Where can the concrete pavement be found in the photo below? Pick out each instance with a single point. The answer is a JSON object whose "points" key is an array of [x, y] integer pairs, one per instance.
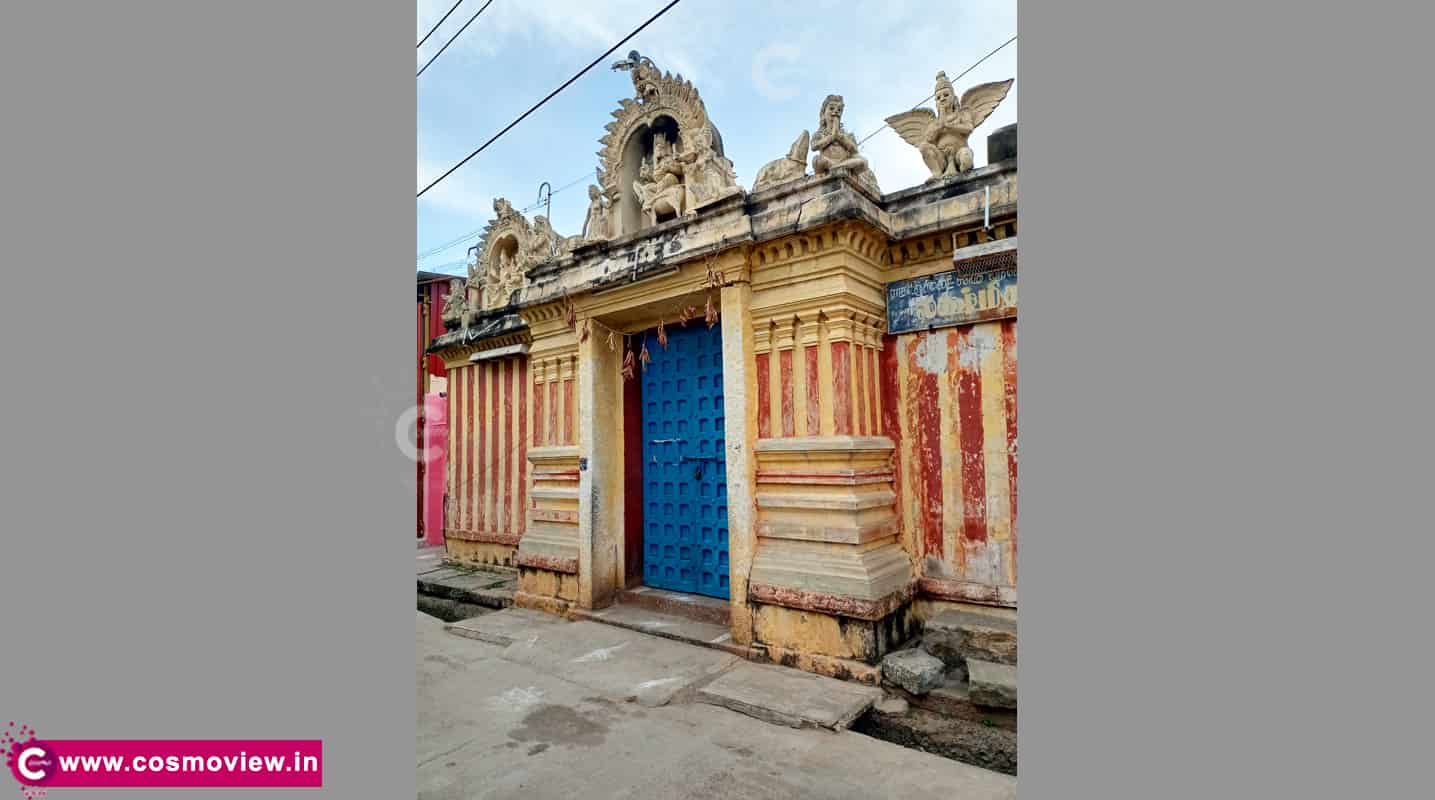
{"points": [[525, 726]]}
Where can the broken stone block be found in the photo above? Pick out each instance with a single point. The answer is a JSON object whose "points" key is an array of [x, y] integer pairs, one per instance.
{"points": [[892, 705], [914, 670], [991, 685], [955, 636]]}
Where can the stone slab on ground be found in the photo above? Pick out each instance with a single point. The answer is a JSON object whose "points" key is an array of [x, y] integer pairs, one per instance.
{"points": [[617, 662], [490, 728], [916, 671], [990, 684], [429, 556], [955, 636], [952, 699], [504, 627], [482, 587], [693, 606], [790, 697], [440, 574], [658, 623]]}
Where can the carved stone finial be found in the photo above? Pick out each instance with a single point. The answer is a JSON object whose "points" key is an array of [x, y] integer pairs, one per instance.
{"points": [[661, 155], [788, 168], [510, 246], [836, 147], [941, 137], [645, 74], [455, 303]]}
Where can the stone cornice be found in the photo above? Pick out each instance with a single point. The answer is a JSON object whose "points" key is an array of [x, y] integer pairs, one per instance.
{"points": [[815, 213]]}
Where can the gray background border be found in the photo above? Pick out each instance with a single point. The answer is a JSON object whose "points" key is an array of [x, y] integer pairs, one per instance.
{"points": [[208, 326], [207, 332]]}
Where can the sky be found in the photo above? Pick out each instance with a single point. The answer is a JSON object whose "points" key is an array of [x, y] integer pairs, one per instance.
{"points": [[762, 69]]}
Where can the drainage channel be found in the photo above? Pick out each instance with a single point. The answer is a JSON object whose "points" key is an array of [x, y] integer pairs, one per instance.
{"points": [[449, 610], [974, 742]]}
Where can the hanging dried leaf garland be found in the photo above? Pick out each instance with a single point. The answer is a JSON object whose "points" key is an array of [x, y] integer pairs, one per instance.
{"points": [[643, 356], [628, 372], [662, 336], [583, 333], [570, 313], [613, 340], [711, 317], [688, 313]]}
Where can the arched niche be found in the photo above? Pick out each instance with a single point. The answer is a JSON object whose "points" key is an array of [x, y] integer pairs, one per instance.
{"points": [[502, 273], [636, 152]]}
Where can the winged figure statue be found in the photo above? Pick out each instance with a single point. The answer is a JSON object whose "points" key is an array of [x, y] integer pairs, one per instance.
{"points": [[942, 136]]}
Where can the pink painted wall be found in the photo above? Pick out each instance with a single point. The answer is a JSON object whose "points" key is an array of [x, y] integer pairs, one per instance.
{"points": [[436, 474]]}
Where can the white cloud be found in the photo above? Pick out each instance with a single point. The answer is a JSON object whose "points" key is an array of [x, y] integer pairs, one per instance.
{"points": [[459, 193], [588, 26], [764, 65]]}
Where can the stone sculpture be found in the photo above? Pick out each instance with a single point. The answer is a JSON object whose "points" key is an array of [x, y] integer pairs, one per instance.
{"points": [[788, 168], [659, 186], [941, 137], [596, 224], [510, 247], [455, 303], [710, 177], [683, 169], [836, 148]]}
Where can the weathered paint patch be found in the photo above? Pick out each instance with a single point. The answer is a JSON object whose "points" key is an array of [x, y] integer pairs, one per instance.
{"points": [[931, 353], [949, 405], [764, 408], [814, 418], [842, 388], [785, 386]]}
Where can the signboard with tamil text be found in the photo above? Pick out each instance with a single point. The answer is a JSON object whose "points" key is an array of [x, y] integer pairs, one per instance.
{"points": [[950, 298]]}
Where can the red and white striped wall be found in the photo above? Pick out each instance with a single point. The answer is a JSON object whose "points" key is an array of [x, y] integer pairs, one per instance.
{"points": [[816, 376], [948, 401], [488, 451]]}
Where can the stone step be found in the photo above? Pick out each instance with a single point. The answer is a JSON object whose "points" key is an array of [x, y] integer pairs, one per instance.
{"points": [[956, 636], [488, 588], [694, 606], [504, 627], [991, 685], [620, 664], [789, 697], [952, 699], [680, 628]]}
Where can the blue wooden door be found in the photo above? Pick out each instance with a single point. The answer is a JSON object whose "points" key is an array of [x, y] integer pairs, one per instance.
{"points": [[684, 464]]}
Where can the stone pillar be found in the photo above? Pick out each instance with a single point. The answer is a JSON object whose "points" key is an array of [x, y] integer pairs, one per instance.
{"points": [[830, 587], [740, 432], [600, 480], [549, 554]]}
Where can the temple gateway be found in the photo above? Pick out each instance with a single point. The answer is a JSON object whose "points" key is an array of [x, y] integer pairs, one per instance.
{"points": [[790, 407]]}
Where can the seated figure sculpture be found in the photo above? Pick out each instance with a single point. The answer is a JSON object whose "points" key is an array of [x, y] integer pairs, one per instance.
{"points": [[941, 136], [659, 186], [836, 148]]}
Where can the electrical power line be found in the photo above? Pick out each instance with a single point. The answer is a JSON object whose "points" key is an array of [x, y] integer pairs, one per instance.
{"points": [[471, 235], [455, 36], [550, 96], [474, 234], [436, 24], [934, 94]]}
